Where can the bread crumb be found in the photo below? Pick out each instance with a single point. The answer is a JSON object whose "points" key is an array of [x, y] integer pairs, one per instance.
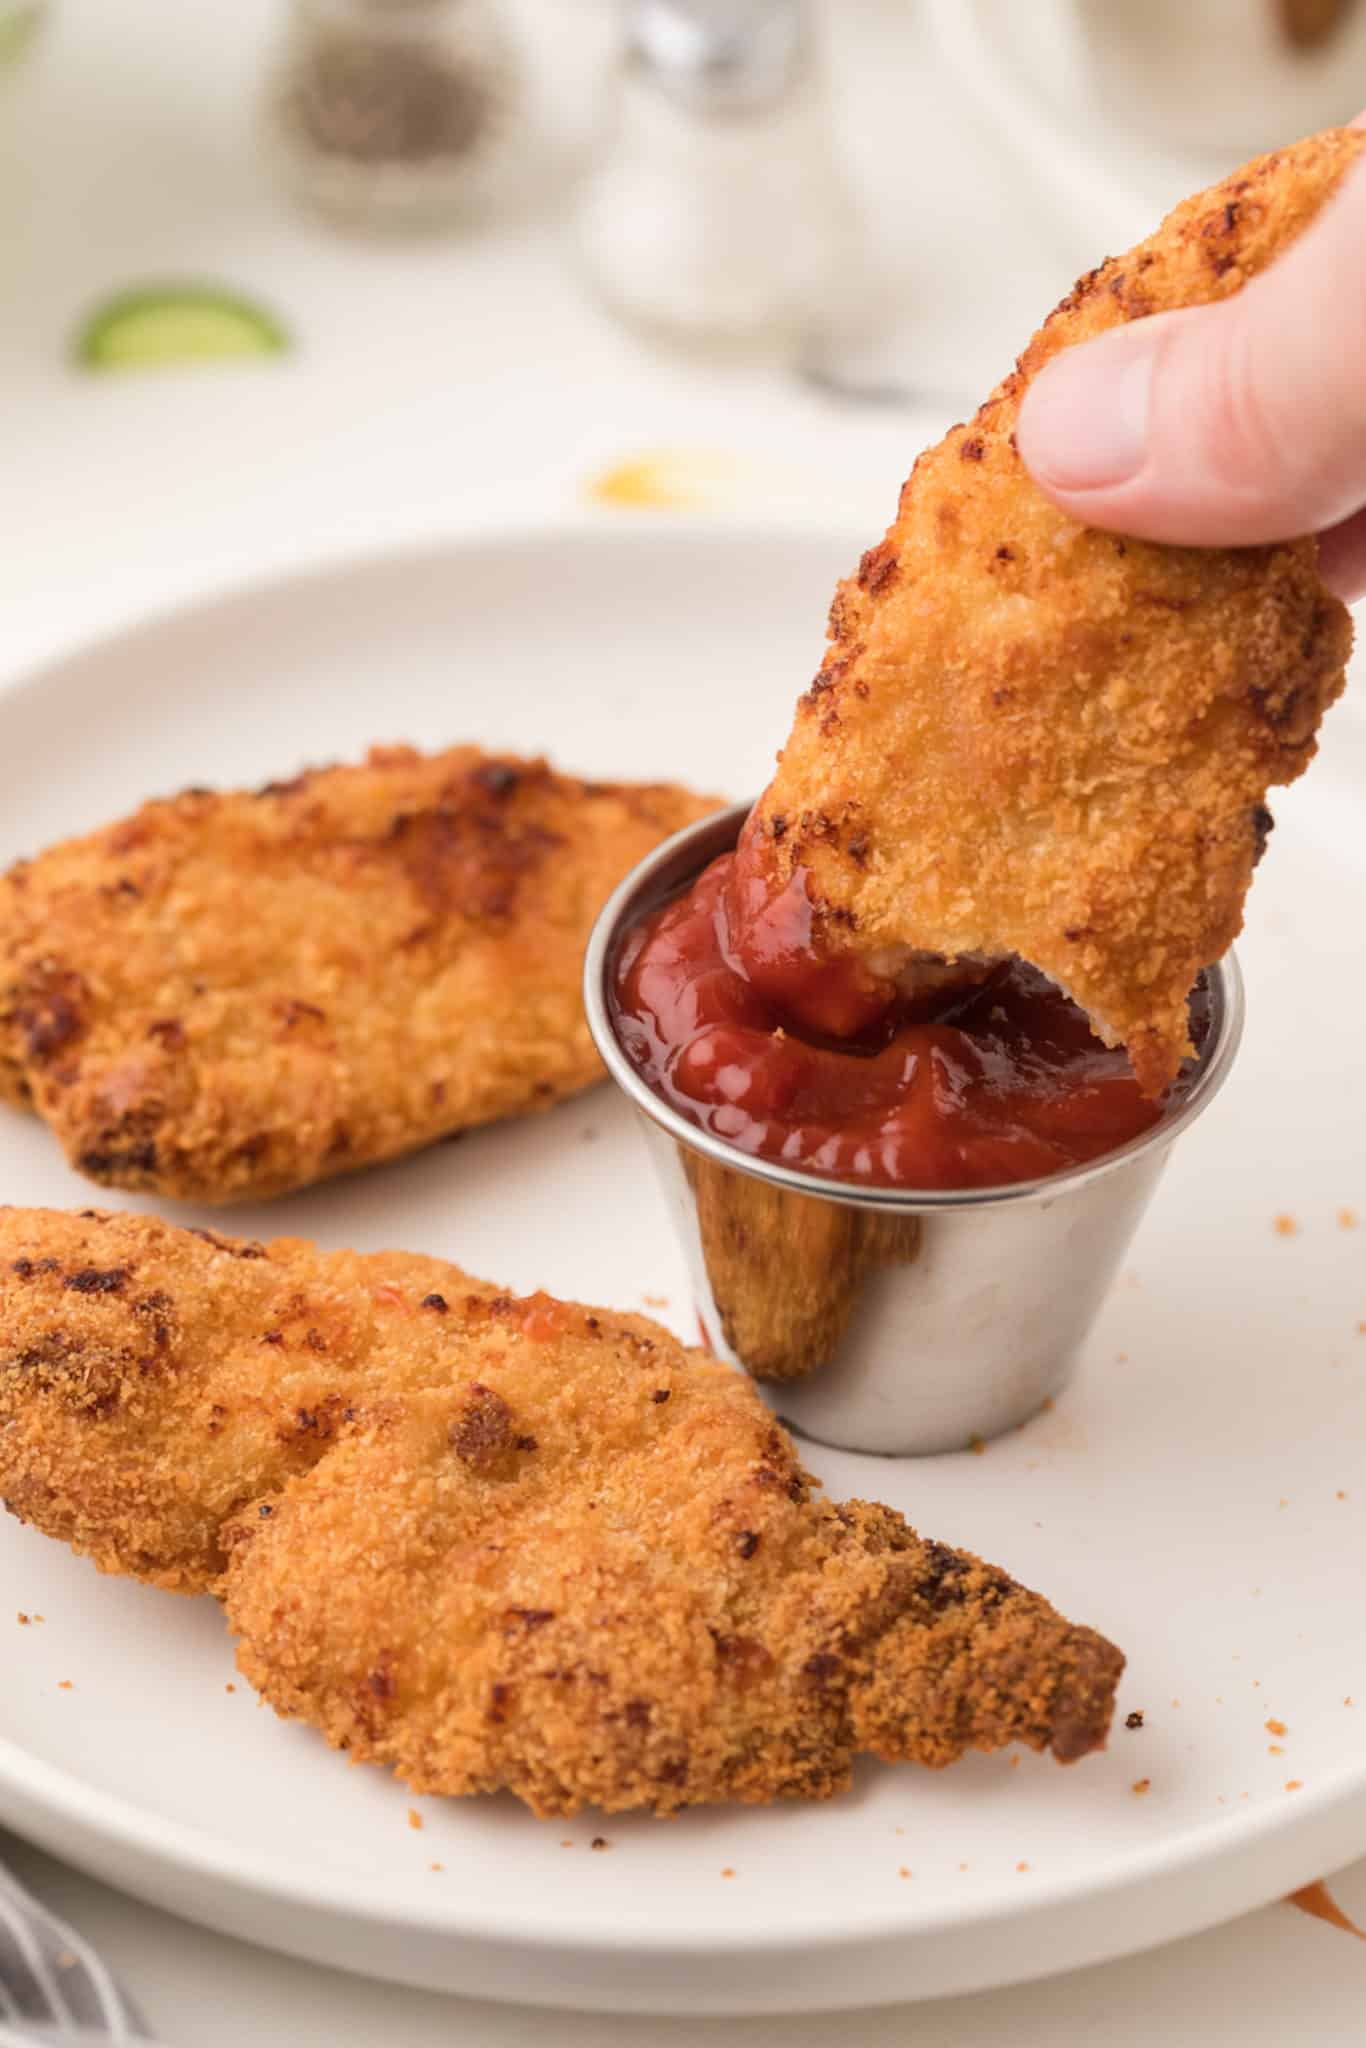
{"points": [[898, 1831], [229, 1688], [1294, 1784], [1140, 1786], [1015, 1762], [566, 1845], [1274, 1727], [728, 1872], [902, 1871], [1122, 1358], [599, 1842], [436, 1866], [65, 1685], [414, 1817], [23, 1619], [1282, 1502], [1286, 1226], [1134, 1720], [655, 1300], [1022, 1866], [1275, 1749], [963, 1866], [1047, 1407], [37, 1617], [976, 1446], [1348, 1701], [1347, 1219]]}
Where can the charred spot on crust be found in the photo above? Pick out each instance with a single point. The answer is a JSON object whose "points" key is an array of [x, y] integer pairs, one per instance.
{"points": [[292, 1010], [499, 778], [943, 1582], [483, 1434], [743, 1659], [1004, 553], [877, 568], [660, 1396], [97, 1280], [247, 1249], [826, 678], [379, 1683], [857, 849], [821, 1667], [49, 1012], [290, 788], [168, 1031], [777, 827], [103, 1163], [1263, 825], [747, 1542], [462, 857], [971, 451], [53, 1352], [437, 1302], [528, 1618]]}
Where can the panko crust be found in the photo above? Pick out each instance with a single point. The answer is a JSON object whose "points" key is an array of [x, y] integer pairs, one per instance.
{"points": [[229, 996], [495, 1542], [1032, 737]]}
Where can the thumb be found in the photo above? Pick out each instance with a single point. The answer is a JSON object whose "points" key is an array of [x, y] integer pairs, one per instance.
{"points": [[1226, 424]]}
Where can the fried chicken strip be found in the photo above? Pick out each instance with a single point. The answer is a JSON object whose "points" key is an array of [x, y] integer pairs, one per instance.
{"points": [[1032, 737], [231, 996], [494, 1542]]}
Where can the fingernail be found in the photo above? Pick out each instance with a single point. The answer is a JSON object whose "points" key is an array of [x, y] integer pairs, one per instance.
{"points": [[1084, 422]]}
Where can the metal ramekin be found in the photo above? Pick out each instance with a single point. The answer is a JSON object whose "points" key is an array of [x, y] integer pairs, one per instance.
{"points": [[895, 1320]]}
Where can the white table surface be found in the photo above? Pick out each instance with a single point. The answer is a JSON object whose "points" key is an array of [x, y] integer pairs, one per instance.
{"points": [[433, 387]]}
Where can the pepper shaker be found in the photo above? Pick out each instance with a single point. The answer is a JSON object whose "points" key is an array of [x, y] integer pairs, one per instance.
{"points": [[716, 215], [396, 114]]}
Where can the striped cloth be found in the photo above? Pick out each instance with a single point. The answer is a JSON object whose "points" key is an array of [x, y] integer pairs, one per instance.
{"points": [[55, 1992]]}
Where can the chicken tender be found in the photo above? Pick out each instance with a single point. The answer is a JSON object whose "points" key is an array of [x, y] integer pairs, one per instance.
{"points": [[494, 1542], [1031, 737], [231, 996]]}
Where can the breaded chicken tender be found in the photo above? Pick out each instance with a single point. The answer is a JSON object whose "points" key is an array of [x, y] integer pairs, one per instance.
{"points": [[230, 996], [494, 1542], [1031, 737]]}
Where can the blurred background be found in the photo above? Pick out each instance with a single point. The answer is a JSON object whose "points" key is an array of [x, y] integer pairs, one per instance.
{"points": [[291, 275]]}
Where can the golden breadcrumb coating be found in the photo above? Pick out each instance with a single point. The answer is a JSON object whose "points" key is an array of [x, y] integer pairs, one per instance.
{"points": [[230, 996], [495, 1542], [1032, 737]]}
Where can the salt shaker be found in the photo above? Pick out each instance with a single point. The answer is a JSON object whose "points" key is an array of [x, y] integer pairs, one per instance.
{"points": [[396, 114], [716, 215]]}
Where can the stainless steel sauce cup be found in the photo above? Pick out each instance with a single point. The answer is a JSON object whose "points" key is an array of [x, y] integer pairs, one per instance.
{"points": [[897, 1320]]}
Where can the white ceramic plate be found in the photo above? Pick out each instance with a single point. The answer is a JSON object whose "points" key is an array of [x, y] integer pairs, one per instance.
{"points": [[1199, 1494]]}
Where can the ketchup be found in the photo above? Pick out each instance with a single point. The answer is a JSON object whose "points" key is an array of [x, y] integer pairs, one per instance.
{"points": [[724, 1003]]}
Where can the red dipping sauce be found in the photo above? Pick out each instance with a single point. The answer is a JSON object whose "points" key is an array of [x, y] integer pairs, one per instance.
{"points": [[739, 1024]]}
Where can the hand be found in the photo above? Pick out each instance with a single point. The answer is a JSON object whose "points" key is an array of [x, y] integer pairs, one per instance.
{"points": [[1227, 424]]}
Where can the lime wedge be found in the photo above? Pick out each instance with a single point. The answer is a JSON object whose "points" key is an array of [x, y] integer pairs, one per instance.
{"points": [[19, 24], [160, 326]]}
